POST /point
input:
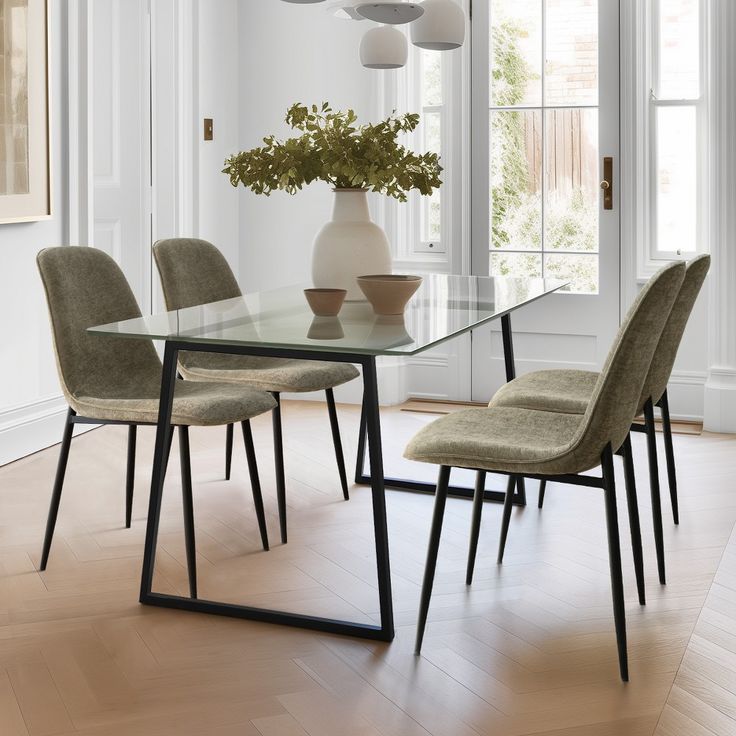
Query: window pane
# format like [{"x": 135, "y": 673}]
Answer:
[
  {"x": 431, "y": 206},
  {"x": 571, "y": 175},
  {"x": 581, "y": 271},
  {"x": 679, "y": 49},
  {"x": 516, "y": 264},
  {"x": 571, "y": 64},
  {"x": 676, "y": 179},
  {"x": 516, "y": 180},
  {"x": 516, "y": 52},
  {"x": 432, "y": 218},
  {"x": 432, "y": 132},
  {"x": 431, "y": 78}
]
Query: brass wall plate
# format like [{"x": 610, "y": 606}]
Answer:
[{"x": 209, "y": 129}]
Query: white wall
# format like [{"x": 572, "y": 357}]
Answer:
[
  {"x": 31, "y": 410},
  {"x": 297, "y": 53},
  {"x": 291, "y": 53}
]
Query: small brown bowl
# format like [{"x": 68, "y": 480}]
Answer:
[
  {"x": 389, "y": 293},
  {"x": 325, "y": 302}
]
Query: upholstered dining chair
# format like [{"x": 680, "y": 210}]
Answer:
[
  {"x": 195, "y": 272},
  {"x": 111, "y": 381},
  {"x": 553, "y": 445},
  {"x": 570, "y": 391}
]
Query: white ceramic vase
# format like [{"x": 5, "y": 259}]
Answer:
[{"x": 350, "y": 245}]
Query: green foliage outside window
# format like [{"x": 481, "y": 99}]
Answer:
[{"x": 570, "y": 220}]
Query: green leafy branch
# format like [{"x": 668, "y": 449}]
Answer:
[{"x": 333, "y": 148}]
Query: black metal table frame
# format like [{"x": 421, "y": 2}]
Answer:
[
  {"x": 403, "y": 484},
  {"x": 370, "y": 434}
]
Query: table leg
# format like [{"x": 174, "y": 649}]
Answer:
[
  {"x": 382, "y": 632},
  {"x": 373, "y": 426},
  {"x": 160, "y": 455},
  {"x": 360, "y": 476},
  {"x": 508, "y": 357}
]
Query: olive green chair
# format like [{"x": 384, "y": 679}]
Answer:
[
  {"x": 558, "y": 446},
  {"x": 194, "y": 272},
  {"x": 112, "y": 381},
  {"x": 570, "y": 391}
]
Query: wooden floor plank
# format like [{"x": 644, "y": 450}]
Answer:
[{"x": 527, "y": 649}]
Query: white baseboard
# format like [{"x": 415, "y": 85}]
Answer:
[
  {"x": 30, "y": 428},
  {"x": 720, "y": 402},
  {"x": 685, "y": 391}
]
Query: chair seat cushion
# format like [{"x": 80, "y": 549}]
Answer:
[
  {"x": 195, "y": 404},
  {"x": 502, "y": 439},
  {"x": 267, "y": 374},
  {"x": 563, "y": 391}
]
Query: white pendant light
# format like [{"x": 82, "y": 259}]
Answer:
[
  {"x": 304, "y": 2},
  {"x": 392, "y": 12},
  {"x": 344, "y": 9},
  {"x": 441, "y": 27},
  {"x": 384, "y": 48}
]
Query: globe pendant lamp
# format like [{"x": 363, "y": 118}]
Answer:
[
  {"x": 441, "y": 27},
  {"x": 390, "y": 11},
  {"x": 384, "y": 48}
]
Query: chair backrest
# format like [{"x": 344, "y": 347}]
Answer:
[
  {"x": 193, "y": 272},
  {"x": 614, "y": 402},
  {"x": 85, "y": 287},
  {"x": 664, "y": 357}
]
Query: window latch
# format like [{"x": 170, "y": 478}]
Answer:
[{"x": 607, "y": 183}]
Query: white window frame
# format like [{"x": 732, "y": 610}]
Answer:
[
  {"x": 401, "y": 92},
  {"x": 700, "y": 104},
  {"x": 640, "y": 256}
]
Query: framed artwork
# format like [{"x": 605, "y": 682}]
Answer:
[{"x": 25, "y": 168}]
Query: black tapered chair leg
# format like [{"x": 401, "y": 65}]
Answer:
[
  {"x": 521, "y": 490},
  {"x": 654, "y": 488},
  {"x": 255, "y": 483},
  {"x": 634, "y": 525},
  {"x": 542, "y": 490},
  {"x": 337, "y": 442},
  {"x": 278, "y": 449},
  {"x": 508, "y": 505},
  {"x": 614, "y": 561},
  {"x": 669, "y": 452},
  {"x": 229, "y": 435},
  {"x": 440, "y": 499},
  {"x": 130, "y": 475},
  {"x": 66, "y": 442},
  {"x": 188, "y": 505},
  {"x": 480, "y": 488}
]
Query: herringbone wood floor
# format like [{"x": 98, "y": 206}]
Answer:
[{"x": 529, "y": 649}]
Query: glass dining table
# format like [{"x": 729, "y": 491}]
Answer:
[{"x": 279, "y": 323}]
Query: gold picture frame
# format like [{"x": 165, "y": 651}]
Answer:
[{"x": 25, "y": 150}]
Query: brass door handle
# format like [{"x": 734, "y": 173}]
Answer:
[{"x": 607, "y": 183}]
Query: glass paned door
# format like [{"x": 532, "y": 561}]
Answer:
[{"x": 545, "y": 113}]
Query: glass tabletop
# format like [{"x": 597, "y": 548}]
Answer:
[{"x": 444, "y": 306}]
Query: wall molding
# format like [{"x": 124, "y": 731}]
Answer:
[
  {"x": 31, "y": 427},
  {"x": 720, "y": 387}
]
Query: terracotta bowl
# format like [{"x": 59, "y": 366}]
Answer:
[
  {"x": 389, "y": 293},
  {"x": 325, "y": 302}
]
